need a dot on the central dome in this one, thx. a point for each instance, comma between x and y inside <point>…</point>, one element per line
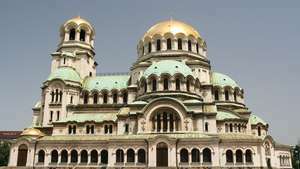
<point>172,26</point>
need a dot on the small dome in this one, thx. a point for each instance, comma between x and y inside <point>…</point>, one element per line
<point>78,21</point>
<point>172,26</point>
<point>37,104</point>
<point>32,132</point>
<point>65,73</point>
<point>219,79</point>
<point>221,115</point>
<point>170,67</point>
<point>254,120</point>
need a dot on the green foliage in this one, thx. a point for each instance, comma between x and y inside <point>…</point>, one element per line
<point>296,157</point>
<point>4,153</point>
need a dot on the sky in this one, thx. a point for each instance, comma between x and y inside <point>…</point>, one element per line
<point>254,42</point>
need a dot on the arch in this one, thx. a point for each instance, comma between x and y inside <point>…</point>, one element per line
<point>206,155</point>
<point>64,156</point>
<point>177,83</point>
<point>104,157</point>
<point>119,156</point>
<point>162,154</point>
<point>95,98</point>
<point>248,156</point>
<point>72,34</point>
<point>166,83</point>
<point>83,156</point>
<point>184,155</point>
<point>189,45</point>
<point>229,156</point>
<point>169,44</point>
<point>115,96</point>
<point>105,96</point>
<point>195,155</point>
<point>141,156</point>
<point>179,44</point>
<point>154,84</point>
<point>74,156</point>
<point>82,35</point>
<point>94,156</point>
<point>22,155</point>
<point>158,45</point>
<point>85,98</point>
<point>226,94</point>
<point>130,155</point>
<point>239,156</point>
<point>54,156</point>
<point>41,156</point>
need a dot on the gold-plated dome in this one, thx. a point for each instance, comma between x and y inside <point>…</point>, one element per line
<point>32,132</point>
<point>172,26</point>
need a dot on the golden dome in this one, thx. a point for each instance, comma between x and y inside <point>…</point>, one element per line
<point>172,26</point>
<point>32,132</point>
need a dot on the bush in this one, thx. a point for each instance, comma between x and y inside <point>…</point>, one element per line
<point>4,153</point>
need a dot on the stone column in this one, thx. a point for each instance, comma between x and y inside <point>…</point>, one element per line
<point>77,35</point>
<point>161,122</point>
<point>168,122</point>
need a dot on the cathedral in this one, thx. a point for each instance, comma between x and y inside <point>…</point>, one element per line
<point>171,110</point>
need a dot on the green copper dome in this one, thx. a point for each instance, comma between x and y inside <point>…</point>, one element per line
<point>221,115</point>
<point>106,82</point>
<point>65,73</point>
<point>169,67</point>
<point>254,120</point>
<point>219,79</point>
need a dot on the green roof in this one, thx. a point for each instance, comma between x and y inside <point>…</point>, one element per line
<point>65,73</point>
<point>169,67</point>
<point>221,115</point>
<point>99,117</point>
<point>255,120</point>
<point>106,82</point>
<point>219,79</point>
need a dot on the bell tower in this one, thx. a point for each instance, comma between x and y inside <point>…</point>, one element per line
<point>76,47</point>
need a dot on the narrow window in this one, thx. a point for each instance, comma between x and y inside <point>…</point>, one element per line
<point>177,84</point>
<point>51,116</point>
<point>234,95</point>
<point>95,98</point>
<point>226,127</point>
<point>125,97</point>
<point>85,98</point>
<point>91,74</point>
<point>189,45</point>
<point>149,47</point>
<point>52,96</point>
<point>71,100</point>
<point>56,95</point>
<point>216,94</point>
<point>145,86</point>
<point>188,85</point>
<point>74,129</point>
<point>92,129</point>
<point>226,95</point>
<point>87,129</point>
<point>70,129</point>
<point>126,128</point>
<point>259,131</point>
<point>197,47</point>
<point>60,96</point>
<point>206,126</point>
<point>105,129</point>
<point>229,156</point>
<point>115,98</point>
<point>82,35</point>
<point>166,84</point>
<point>154,88</point>
<point>105,98</point>
<point>57,115</point>
<point>64,60</point>
<point>179,44</point>
<point>143,50</point>
<point>230,128</point>
<point>72,34</point>
<point>158,45</point>
<point>169,44</point>
<point>110,129</point>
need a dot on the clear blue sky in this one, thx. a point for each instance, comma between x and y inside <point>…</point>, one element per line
<point>255,42</point>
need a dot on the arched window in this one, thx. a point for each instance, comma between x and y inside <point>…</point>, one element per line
<point>56,95</point>
<point>166,84</point>
<point>104,157</point>
<point>115,97</point>
<point>259,131</point>
<point>195,155</point>
<point>149,47</point>
<point>239,156</point>
<point>54,156</point>
<point>52,96</point>
<point>83,156</point>
<point>158,45</point>
<point>51,116</point>
<point>179,44</point>
<point>64,60</point>
<point>72,34</point>
<point>216,94</point>
<point>184,156</point>
<point>119,156</point>
<point>226,94</point>
<point>60,96</point>
<point>143,50</point>
<point>105,97</point>
<point>94,156</point>
<point>41,156</point>
<point>248,156</point>
<point>130,156</point>
<point>145,86</point>
<point>239,128</point>
<point>177,84</point>
<point>82,35</point>
<point>125,97</point>
<point>229,156</point>
<point>189,45</point>
<point>95,98</point>
<point>74,156</point>
<point>71,100</point>
<point>85,98</point>
<point>206,155</point>
<point>235,95</point>
<point>141,156</point>
<point>188,85</point>
<point>230,128</point>
<point>169,44</point>
<point>154,85</point>
<point>64,156</point>
<point>206,127</point>
<point>197,47</point>
<point>57,115</point>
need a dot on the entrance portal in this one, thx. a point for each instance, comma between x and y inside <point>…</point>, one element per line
<point>162,155</point>
<point>22,155</point>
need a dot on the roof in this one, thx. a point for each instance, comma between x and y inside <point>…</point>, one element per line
<point>32,132</point>
<point>221,115</point>
<point>171,26</point>
<point>65,73</point>
<point>254,120</point>
<point>96,117</point>
<point>108,82</point>
<point>170,67</point>
<point>219,79</point>
<point>7,135</point>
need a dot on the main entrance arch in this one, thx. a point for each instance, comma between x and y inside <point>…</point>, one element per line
<point>22,155</point>
<point>162,155</point>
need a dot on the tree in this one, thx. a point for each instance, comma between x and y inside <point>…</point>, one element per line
<point>296,157</point>
<point>4,153</point>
